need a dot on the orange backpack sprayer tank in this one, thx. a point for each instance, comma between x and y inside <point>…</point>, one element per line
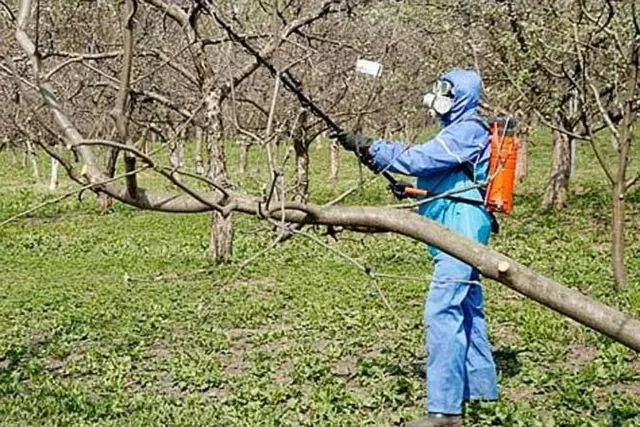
<point>502,165</point>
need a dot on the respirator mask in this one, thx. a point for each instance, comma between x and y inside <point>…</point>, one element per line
<point>440,99</point>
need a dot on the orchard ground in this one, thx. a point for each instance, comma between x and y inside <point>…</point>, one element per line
<point>91,336</point>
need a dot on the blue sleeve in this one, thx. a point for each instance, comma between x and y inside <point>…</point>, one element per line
<point>450,148</point>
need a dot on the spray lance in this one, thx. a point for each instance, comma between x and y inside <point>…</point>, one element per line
<point>293,86</point>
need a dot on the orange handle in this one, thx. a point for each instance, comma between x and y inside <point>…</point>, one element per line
<point>415,192</point>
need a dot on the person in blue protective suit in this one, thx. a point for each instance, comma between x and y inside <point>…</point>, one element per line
<point>460,365</point>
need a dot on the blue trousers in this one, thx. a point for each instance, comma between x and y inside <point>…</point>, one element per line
<point>460,365</point>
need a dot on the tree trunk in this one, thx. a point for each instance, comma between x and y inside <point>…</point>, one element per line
<point>12,155</point>
<point>176,154</point>
<point>573,147</point>
<point>10,147</point>
<point>25,156</point>
<point>5,145</point>
<point>301,147</point>
<point>243,157</point>
<point>53,183</point>
<point>617,249</point>
<point>619,190</point>
<point>620,187</point>
<point>149,143</point>
<point>104,200</point>
<point>31,156</point>
<point>221,238</point>
<point>335,162</point>
<point>522,165</point>
<point>301,193</point>
<point>221,235</point>
<point>557,192</point>
<point>614,143</point>
<point>200,141</point>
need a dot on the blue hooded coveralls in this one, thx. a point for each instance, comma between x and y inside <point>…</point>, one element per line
<point>460,365</point>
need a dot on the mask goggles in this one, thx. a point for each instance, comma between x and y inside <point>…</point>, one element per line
<point>440,99</point>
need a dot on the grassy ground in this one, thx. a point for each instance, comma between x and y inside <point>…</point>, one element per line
<point>301,336</point>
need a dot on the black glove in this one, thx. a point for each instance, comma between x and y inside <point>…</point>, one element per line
<point>399,188</point>
<point>357,143</point>
<point>350,141</point>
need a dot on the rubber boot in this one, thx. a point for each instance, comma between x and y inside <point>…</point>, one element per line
<point>437,420</point>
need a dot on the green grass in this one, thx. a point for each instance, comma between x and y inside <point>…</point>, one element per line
<point>301,337</point>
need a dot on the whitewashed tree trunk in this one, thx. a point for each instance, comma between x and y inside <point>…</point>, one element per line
<point>574,152</point>
<point>176,154</point>
<point>31,156</point>
<point>522,165</point>
<point>243,156</point>
<point>334,150</point>
<point>200,142</point>
<point>149,143</point>
<point>9,147</point>
<point>12,155</point>
<point>614,142</point>
<point>53,182</point>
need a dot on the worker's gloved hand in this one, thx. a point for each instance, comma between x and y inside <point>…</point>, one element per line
<point>355,142</point>
<point>359,144</point>
<point>399,189</point>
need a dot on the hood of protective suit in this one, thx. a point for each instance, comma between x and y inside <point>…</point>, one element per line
<point>467,88</point>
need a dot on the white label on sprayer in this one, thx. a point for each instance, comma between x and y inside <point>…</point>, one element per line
<point>369,67</point>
